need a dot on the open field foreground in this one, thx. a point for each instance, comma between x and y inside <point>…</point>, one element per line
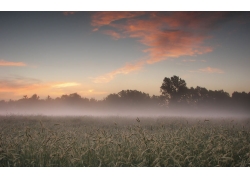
<point>123,141</point>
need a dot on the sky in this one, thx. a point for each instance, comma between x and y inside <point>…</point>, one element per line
<point>98,53</point>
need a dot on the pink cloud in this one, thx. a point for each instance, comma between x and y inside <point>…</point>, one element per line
<point>19,86</point>
<point>166,34</point>
<point>211,70</point>
<point>9,63</point>
<point>105,18</point>
<point>123,70</point>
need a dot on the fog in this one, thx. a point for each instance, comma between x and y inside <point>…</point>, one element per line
<point>176,100</point>
<point>133,110</point>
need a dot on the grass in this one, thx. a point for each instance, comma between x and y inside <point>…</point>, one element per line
<point>42,141</point>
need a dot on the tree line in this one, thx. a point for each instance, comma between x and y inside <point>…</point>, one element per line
<point>174,95</point>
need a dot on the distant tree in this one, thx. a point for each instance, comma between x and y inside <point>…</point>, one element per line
<point>174,89</point>
<point>112,98</point>
<point>48,98</point>
<point>93,100</point>
<point>34,97</point>
<point>198,96</point>
<point>218,96</point>
<point>64,97</point>
<point>133,96</point>
<point>75,96</point>
<point>241,98</point>
<point>72,98</point>
<point>2,102</point>
<point>159,100</point>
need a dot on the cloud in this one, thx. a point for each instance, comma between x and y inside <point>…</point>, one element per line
<point>92,92</point>
<point>66,13</point>
<point>64,85</point>
<point>209,70</point>
<point>112,33</point>
<point>166,35</point>
<point>193,60</point>
<point>124,70</point>
<point>105,18</point>
<point>9,63</point>
<point>190,60</point>
<point>21,85</point>
<point>18,86</point>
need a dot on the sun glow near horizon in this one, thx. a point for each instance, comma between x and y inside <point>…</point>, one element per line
<point>99,53</point>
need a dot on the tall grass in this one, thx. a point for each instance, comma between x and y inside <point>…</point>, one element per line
<point>117,141</point>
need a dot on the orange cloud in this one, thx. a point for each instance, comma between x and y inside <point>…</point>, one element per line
<point>19,86</point>
<point>124,70</point>
<point>9,63</point>
<point>105,18</point>
<point>165,42</point>
<point>211,70</point>
<point>64,85</point>
<point>92,92</point>
<point>66,13</point>
<point>166,34</point>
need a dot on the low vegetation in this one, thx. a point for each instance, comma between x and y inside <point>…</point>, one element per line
<point>123,141</point>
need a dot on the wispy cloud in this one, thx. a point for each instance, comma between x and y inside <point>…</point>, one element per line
<point>18,86</point>
<point>21,84</point>
<point>112,33</point>
<point>209,70</point>
<point>124,70</point>
<point>10,63</point>
<point>92,92</point>
<point>106,18</point>
<point>66,13</point>
<point>167,35</point>
<point>190,60</point>
<point>65,85</point>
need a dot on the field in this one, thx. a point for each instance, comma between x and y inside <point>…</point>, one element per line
<point>27,141</point>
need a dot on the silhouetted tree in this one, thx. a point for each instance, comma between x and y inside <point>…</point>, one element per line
<point>112,98</point>
<point>49,98</point>
<point>174,89</point>
<point>133,96</point>
<point>241,99</point>
<point>198,96</point>
<point>159,100</point>
<point>34,97</point>
<point>218,96</point>
<point>75,96</point>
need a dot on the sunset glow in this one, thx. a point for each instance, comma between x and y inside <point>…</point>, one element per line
<point>99,53</point>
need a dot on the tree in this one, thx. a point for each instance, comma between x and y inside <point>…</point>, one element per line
<point>133,96</point>
<point>112,98</point>
<point>34,97</point>
<point>198,96</point>
<point>174,89</point>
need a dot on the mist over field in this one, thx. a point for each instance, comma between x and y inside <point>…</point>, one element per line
<point>176,100</point>
<point>99,89</point>
<point>133,111</point>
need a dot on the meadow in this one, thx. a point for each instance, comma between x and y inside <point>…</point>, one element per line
<point>89,141</point>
